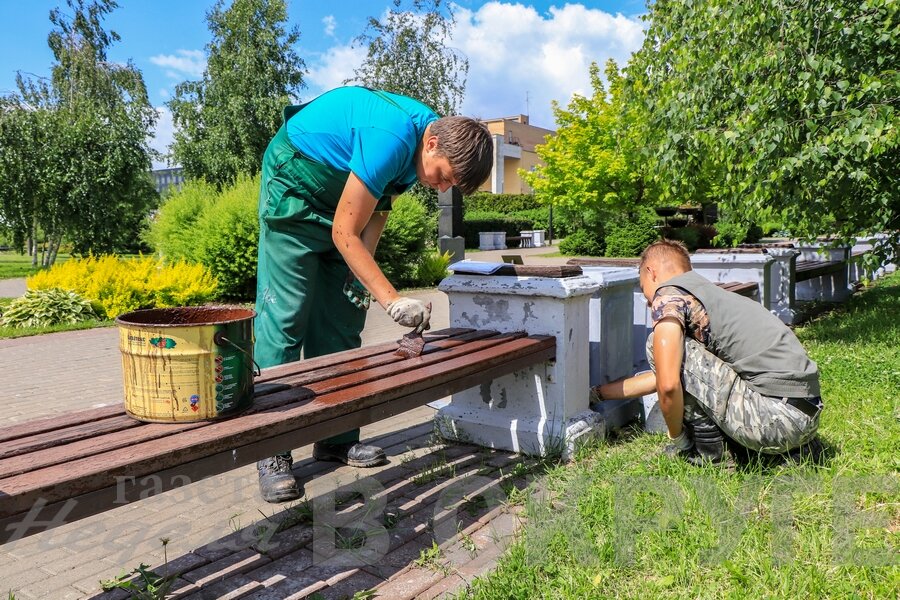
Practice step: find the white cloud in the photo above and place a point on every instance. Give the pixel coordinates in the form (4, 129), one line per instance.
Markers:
(514, 50)
(330, 24)
(163, 136)
(183, 63)
(331, 68)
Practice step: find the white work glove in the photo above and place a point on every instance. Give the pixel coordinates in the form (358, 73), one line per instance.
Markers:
(410, 312)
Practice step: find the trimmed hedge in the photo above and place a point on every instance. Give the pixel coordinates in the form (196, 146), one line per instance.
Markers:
(498, 203)
(473, 223)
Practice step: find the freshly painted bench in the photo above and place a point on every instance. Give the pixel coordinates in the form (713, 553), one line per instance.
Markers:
(61, 469)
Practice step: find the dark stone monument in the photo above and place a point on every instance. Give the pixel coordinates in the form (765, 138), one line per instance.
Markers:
(450, 224)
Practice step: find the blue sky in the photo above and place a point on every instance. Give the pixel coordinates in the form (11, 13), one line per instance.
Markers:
(522, 54)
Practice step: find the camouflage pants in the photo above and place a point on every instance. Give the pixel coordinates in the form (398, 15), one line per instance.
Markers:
(762, 423)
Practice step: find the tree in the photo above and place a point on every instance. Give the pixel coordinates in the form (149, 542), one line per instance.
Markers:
(591, 166)
(21, 166)
(225, 121)
(408, 53)
(76, 146)
(788, 106)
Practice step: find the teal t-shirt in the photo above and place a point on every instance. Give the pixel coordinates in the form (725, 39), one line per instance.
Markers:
(372, 134)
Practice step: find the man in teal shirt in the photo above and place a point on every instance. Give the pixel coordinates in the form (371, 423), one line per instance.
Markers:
(328, 178)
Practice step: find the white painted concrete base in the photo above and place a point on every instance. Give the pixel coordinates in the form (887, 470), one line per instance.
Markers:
(652, 416)
(533, 436)
(541, 409)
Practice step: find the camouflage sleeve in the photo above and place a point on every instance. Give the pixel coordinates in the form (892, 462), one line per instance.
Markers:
(671, 302)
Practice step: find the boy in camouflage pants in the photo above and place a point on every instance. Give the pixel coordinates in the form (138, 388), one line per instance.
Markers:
(720, 363)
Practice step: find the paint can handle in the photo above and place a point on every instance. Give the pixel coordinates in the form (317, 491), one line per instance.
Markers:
(220, 340)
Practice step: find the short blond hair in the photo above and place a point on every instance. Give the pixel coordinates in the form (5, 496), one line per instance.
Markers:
(671, 253)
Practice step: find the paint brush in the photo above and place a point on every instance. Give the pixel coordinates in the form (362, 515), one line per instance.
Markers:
(412, 344)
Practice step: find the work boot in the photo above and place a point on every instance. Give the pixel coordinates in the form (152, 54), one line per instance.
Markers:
(276, 480)
(812, 451)
(709, 443)
(352, 453)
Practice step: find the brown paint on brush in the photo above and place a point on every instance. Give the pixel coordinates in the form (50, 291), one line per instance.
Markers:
(411, 345)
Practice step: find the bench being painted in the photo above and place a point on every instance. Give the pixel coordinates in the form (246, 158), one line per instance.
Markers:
(58, 470)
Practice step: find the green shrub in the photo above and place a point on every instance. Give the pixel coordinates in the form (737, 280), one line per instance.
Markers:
(172, 231)
(433, 268)
(118, 285)
(582, 243)
(629, 235)
(45, 308)
(219, 230)
(405, 240)
(498, 203)
(228, 238)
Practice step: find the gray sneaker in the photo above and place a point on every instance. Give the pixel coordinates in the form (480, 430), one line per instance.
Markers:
(276, 480)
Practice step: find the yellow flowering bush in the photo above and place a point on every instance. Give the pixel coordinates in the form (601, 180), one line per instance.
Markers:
(119, 285)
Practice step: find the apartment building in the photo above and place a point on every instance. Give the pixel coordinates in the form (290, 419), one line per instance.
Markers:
(514, 142)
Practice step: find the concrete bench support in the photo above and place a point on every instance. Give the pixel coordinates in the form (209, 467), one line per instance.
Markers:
(612, 309)
(541, 409)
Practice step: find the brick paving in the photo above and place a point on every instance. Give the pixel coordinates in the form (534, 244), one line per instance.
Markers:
(225, 542)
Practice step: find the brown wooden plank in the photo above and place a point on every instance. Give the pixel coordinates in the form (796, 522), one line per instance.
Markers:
(604, 262)
(556, 271)
(740, 250)
(36, 426)
(59, 437)
(361, 364)
(42, 516)
(811, 269)
(61, 481)
(436, 351)
(319, 362)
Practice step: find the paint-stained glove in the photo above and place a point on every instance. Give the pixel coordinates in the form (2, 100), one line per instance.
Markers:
(410, 312)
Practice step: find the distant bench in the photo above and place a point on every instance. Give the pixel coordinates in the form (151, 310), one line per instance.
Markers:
(807, 270)
(749, 289)
(58, 470)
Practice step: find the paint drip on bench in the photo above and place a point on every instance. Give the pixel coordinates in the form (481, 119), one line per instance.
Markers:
(187, 363)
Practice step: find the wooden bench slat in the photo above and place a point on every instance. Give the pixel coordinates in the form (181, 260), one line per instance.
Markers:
(61, 481)
(19, 430)
(604, 262)
(352, 375)
(319, 362)
(349, 368)
(58, 437)
(811, 269)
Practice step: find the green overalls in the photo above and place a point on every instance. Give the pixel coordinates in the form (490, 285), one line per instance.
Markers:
(300, 300)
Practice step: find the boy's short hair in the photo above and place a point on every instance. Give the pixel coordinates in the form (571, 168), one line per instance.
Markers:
(468, 147)
(673, 252)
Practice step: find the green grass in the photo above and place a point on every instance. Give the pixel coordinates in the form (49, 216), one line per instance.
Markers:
(623, 521)
(13, 264)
